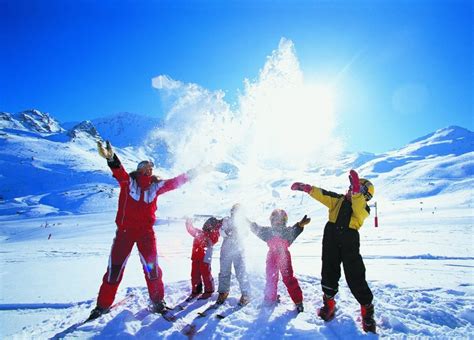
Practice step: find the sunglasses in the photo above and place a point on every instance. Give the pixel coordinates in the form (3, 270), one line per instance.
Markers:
(145, 164)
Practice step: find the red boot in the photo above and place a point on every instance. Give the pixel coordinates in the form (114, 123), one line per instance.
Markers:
(368, 322)
(326, 312)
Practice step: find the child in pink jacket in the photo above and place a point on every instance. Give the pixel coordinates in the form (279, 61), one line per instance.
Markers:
(278, 238)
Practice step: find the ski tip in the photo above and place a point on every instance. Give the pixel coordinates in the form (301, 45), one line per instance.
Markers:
(169, 317)
(189, 330)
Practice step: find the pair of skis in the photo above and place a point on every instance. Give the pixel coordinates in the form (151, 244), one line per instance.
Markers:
(75, 326)
(222, 314)
(191, 329)
(167, 314)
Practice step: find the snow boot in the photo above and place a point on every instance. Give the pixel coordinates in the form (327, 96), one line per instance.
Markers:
(192, 296)
(158, 307)
(222, 297)
(205, 296)
(368, 322)
(326, 312)
(97, 311)
(299, 307)
(244, 300)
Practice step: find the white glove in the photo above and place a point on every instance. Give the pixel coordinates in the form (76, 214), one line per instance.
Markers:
(107, 152)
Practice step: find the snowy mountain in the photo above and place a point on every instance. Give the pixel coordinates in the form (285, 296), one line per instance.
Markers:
(442, 161)
(84, 129)
(34, 147)
(30, 120)
(67, 173)
(126, 129)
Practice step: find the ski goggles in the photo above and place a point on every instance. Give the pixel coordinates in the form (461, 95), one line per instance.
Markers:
(144, 164)
(364, 191)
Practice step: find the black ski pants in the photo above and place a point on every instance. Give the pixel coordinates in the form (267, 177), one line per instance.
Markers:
(341, 244)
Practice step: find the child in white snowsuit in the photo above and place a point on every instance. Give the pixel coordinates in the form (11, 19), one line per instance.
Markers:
(234, 229)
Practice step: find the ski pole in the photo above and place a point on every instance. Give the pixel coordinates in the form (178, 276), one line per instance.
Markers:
(376, 219)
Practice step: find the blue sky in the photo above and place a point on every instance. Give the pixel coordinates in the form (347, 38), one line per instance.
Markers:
(402, 69)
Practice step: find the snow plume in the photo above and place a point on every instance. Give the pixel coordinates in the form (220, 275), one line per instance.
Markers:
(290, 122)
(280, 121)
(198, 125)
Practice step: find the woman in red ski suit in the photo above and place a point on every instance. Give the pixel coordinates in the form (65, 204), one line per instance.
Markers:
(279, 237)
(135, 218)
(201, 256)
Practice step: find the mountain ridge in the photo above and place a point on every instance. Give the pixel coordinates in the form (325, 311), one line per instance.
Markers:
(62, 161)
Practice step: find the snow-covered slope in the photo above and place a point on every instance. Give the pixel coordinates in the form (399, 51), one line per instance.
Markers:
(423, 286)
(46, 169)
(442, 161)
(34, 148)
(126, 129)
(32, 120)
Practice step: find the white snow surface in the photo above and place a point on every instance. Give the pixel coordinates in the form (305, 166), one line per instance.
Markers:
(419, 266)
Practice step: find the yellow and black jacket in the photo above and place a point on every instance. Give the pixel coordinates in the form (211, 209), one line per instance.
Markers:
(360, 208)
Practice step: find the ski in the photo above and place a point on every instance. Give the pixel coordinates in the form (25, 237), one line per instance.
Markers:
(212, 307)
(229, 311)
(115, 305)
(168, 315)
(75, 326)
(189, 330)
(186, 302)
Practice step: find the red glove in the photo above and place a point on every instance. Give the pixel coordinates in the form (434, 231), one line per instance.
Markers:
(354, 178)
(301, 187)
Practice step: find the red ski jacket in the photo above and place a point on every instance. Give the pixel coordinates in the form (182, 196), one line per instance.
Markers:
(137, 203)
(203, 243)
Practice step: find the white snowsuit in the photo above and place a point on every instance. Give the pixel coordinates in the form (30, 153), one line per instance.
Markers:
(232, 251)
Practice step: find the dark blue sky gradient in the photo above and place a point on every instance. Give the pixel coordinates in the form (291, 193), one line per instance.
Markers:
(84, 59)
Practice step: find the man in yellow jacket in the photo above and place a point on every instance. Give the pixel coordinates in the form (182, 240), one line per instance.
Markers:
(341, 244)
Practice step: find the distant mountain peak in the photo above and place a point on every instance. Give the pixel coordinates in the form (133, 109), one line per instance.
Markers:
(126, 128)
(37, 121)
(7, 121)
(85, 128)
(451, 132)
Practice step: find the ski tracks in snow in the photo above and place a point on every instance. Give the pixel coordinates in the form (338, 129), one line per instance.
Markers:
(399, 313)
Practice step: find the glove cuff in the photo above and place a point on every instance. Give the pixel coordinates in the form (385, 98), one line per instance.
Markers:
(114, 162)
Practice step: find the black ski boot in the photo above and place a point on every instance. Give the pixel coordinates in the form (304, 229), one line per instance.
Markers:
(96, 312)
(158, 307)
(368, 322)
(299, 307)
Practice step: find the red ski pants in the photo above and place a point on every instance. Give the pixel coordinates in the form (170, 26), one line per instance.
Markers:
(121, 248)
(201, 273)
(279, 261)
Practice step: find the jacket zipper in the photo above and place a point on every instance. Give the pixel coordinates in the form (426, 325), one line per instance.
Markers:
(124, 206)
